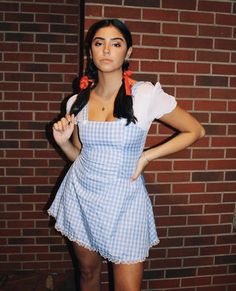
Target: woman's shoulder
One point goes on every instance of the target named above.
(145, 88)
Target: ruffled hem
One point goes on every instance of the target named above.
(110, 259)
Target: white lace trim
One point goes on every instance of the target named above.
(82, 244)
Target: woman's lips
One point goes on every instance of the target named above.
(106, 60)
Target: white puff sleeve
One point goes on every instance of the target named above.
(70, 102)
(150, 102)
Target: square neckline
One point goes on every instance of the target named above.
(104, 121)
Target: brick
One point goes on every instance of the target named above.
(195, 68)
(8, 26)
(215, 31)
(211, 56)
(233, 82)
(163, 263)
(21, 257)
(182, 252)
(211, 81)
(51, 257)
(179, 29)
(34, 48)
(173, 177)
(230, 153)
(19, 207)
(160, 15)
(34, 67)
(224, 279)
(145, 53)
(35, 265)
(168, 200)
(188, 188)
(196, 17)
(204, 105)
(190, 262)
(196, 281)
(229, 239)
(160, 41)
(49, 38)
(205, 220)
(214, 187)
(50, 18)
(148, 3)
(190, 42)
(176, 80)
(184, 4)
(216, 229)
(225, 19)
(19, 37)
(143, 26)
(9, 232)
(230, 176)
(189, 165)
(172, 54)
(226, 44)
(93, 10)
(215, 130)
(184, 231)
(19, 17)
(204, 5)
(18, 77)
(48, 58)
(130, 13)
(207, 176)
(174, 220)
(223, 69)
(152, 66)
(63, 9)
(223, 118)
(223, 93)
(227, 142)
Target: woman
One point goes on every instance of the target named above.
(102, 205)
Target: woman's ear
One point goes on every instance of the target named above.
(129, 52)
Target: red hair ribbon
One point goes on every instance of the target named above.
(84, 82)
(128, 82)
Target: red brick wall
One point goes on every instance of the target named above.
(189, 46)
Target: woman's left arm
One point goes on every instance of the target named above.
(190, 131)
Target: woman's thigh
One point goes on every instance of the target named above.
(128, 277)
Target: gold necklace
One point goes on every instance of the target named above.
(103, 106)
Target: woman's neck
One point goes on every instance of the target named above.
(108, 83)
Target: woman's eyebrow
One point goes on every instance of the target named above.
(113, 38)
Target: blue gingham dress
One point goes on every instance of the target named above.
(97, 204)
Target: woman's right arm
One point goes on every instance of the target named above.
(62, 131)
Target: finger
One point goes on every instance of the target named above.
(73, 119)
(57, 126)
(64, 123)
(135, 176)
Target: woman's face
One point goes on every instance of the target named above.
(109, 49)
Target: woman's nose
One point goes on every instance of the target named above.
(106, 50)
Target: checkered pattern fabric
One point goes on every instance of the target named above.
(97, 204)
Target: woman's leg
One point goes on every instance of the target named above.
(90, 264)
(128, 277)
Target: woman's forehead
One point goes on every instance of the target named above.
(108, 32)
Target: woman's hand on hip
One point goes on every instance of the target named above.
(141, 164)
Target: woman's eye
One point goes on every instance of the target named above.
(117, 44)
(98, 43)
